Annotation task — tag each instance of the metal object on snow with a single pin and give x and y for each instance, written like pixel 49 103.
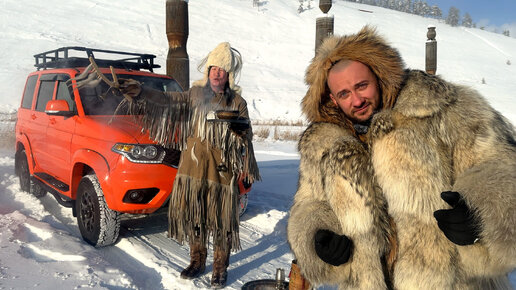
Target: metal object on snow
pixel 268 284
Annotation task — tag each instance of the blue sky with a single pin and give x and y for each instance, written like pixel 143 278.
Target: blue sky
pixel 497 12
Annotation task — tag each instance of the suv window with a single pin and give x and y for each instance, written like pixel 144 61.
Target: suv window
pixel 46 90
pixel 63 93
pixel 29 92
pixel 101 100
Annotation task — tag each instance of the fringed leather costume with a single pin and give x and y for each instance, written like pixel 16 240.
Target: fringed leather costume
pixel 204 201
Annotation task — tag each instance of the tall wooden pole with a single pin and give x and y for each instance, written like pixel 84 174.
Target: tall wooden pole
pixel 431 51
pixel 323 25
pixel 178 64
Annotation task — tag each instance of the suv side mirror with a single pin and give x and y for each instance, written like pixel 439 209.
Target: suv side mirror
pixel 58 108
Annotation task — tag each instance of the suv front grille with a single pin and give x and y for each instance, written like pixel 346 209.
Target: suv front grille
pixel 172 157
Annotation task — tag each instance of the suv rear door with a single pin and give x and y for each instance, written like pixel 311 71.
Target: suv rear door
pixel 39 122
pixel 59 134
pixel 25 110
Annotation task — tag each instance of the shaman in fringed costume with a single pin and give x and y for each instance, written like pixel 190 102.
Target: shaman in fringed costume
pixel 382 187
pixel 204 201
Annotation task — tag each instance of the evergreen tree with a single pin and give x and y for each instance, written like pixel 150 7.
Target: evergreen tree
pixel 405 5
pixel 421 8
pixel 426 9
pixel 466 20
pixel 418 7
pixel 382 3
pixel 392 4
pixel 436 12
pixel 453 16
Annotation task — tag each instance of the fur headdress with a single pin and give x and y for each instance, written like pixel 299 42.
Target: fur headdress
pixel 366 47
pixel 225 57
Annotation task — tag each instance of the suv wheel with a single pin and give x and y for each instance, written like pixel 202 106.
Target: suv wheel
pixel 26 182
pixel 99 225
pixel 242 203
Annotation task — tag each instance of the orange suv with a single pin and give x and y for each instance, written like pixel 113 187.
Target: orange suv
pixel 79 145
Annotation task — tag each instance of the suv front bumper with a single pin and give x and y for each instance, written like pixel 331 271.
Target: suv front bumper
pixel 127 177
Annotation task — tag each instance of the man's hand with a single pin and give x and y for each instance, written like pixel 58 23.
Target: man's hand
pixel 332 248
pixel 458 224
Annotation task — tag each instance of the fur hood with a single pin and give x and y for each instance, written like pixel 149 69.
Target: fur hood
pixel 366 47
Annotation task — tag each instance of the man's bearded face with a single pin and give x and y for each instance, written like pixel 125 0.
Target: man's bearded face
pixel 354 89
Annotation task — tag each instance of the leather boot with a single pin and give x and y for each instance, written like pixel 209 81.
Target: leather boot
pixel 197 265
pixel 220 266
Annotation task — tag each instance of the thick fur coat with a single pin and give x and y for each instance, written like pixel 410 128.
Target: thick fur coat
pixel 430 136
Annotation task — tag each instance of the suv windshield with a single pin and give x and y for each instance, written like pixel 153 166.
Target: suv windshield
pixel 100 100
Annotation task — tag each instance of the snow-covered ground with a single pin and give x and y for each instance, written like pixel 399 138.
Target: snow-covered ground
pixel 40 244
pixel 41 247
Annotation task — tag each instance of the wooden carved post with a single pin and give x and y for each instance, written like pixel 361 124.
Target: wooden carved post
pixel 431 51
pixel 323 25
pixel 178 64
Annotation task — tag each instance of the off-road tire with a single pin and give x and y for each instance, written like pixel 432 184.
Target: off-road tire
pixel 99 225
pixel 26 182
pixel 242 203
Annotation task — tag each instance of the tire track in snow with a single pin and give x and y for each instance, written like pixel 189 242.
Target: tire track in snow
pixel 488 42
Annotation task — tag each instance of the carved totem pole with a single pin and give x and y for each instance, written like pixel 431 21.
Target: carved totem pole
pixel 178 64
pixel 324 24
pixel 431 51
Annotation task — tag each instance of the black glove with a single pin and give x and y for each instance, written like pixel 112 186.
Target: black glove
pixel 458 224
pixel 240 126
pixel 332 248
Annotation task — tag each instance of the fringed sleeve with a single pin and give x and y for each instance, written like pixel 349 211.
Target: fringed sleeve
pixel 243 145
pixel 165 115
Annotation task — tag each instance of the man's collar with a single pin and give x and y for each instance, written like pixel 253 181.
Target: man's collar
pixel 362 127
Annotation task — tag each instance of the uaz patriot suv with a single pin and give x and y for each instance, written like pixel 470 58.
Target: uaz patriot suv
pixel 80 146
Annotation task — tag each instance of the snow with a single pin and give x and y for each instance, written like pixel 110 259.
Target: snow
pixel 40 243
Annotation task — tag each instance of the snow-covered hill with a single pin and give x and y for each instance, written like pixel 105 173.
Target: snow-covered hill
pixel 40 245
pixel 276 43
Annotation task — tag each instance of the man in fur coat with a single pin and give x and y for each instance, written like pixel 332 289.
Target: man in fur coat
pixel 406 181
pixel 215 153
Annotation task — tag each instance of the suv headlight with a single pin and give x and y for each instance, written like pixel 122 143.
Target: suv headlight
pixel 140 153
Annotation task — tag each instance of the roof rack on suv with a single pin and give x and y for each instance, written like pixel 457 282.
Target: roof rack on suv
pixel 61 58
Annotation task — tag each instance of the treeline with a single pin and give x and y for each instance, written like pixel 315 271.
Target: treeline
pixel 416 7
